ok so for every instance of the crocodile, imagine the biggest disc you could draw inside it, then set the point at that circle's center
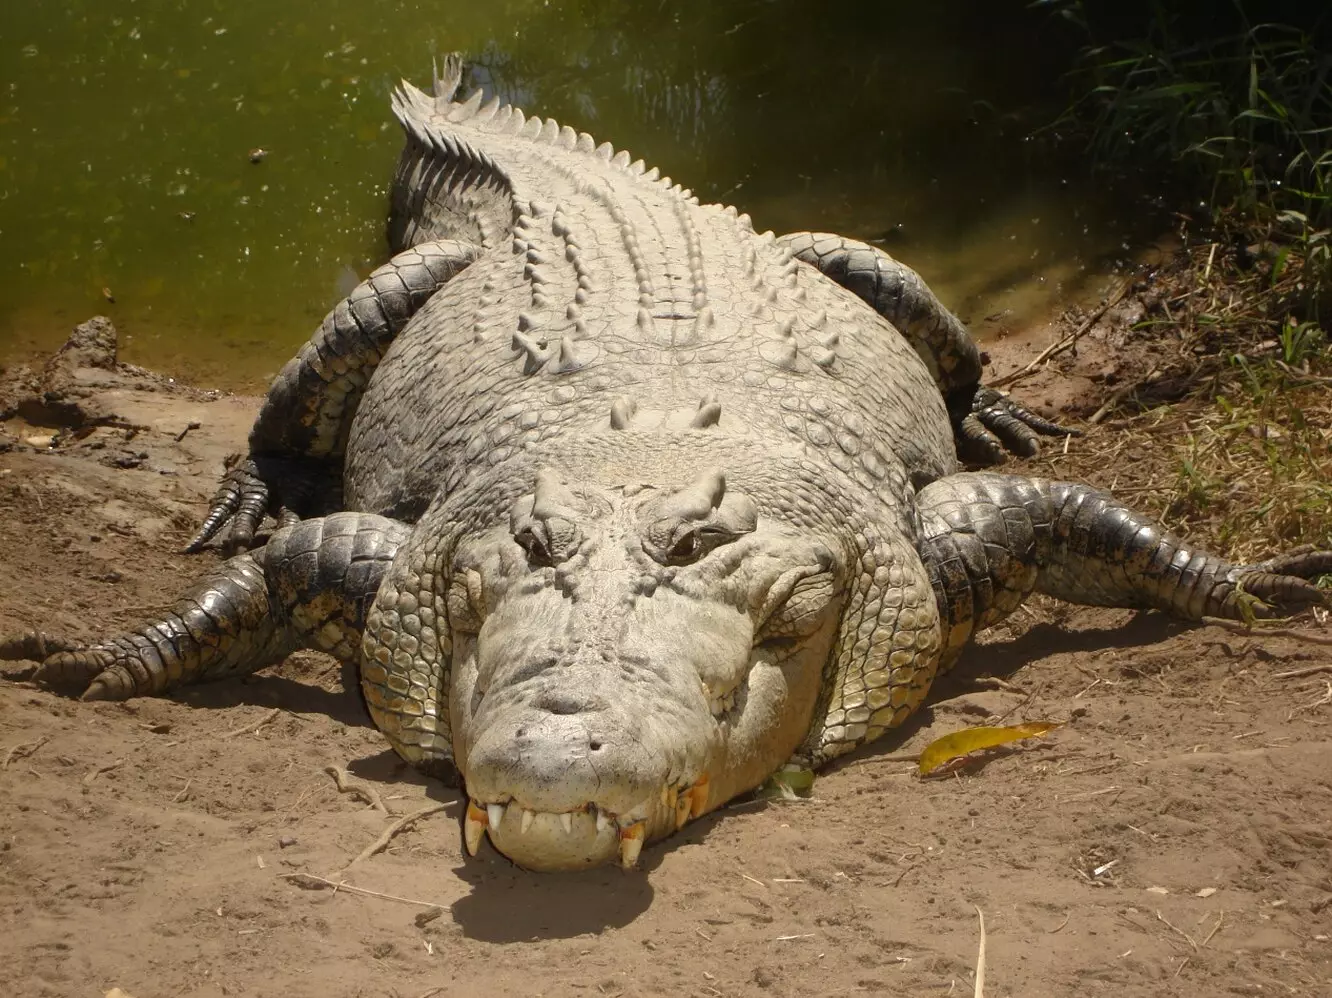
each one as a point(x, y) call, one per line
point(619, 507)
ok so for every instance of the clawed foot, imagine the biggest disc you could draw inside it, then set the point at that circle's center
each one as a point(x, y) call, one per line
point(241, 502)
point(1282, 586)
point(286, 488)
point(100, 672)
point(988, 425)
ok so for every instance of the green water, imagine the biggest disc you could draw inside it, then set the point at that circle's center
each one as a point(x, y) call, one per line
point(126, 128)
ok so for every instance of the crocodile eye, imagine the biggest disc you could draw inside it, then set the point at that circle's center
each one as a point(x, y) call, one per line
point(685, 549)
point(532, 541)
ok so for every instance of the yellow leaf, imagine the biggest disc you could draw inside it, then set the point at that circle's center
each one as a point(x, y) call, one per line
point(969, 740)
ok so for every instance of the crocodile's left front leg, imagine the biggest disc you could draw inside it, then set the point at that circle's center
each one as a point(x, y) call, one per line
point(989, 541)
point(309, 587)
point(985, 422)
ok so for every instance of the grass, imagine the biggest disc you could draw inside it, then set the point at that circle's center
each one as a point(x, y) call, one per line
point(1233, 109)
point(1231, 438)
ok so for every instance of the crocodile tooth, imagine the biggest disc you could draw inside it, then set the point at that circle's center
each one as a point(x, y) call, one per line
point(672, 795)
point(566, 822)
point(526, 821)
point(631, 843)
point(698, 796)
point(474, 826)
point(603, 819)
point(683, 808)
point(494, 814)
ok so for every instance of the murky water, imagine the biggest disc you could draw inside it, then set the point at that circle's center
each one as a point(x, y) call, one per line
point(126, 128)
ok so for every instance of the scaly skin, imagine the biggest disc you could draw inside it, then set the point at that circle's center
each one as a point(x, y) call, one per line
point(651, 504)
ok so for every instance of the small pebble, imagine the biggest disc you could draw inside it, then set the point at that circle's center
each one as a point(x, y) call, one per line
point(285, 841)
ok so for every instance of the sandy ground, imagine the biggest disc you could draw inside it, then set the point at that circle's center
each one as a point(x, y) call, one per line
point(1173, 838)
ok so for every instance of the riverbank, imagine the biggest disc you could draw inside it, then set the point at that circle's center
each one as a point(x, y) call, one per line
point(1171, 838)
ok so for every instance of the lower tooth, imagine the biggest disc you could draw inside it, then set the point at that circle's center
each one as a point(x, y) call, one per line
point(474, 826)
point(631, 844)
point(566, 822)
point(682, 809)
point(603, 819)
point(494, 815)
point(525, 822)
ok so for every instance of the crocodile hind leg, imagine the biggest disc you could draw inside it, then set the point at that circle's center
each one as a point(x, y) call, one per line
point(985, 422)
point(299, 435)
point(309, 587)
point(990, 540)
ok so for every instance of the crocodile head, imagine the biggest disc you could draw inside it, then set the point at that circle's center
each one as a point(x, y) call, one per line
point(617, 660)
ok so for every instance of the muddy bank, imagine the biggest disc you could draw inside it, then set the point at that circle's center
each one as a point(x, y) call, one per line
point(1172, 838)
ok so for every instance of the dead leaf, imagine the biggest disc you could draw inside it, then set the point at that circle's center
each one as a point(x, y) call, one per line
point(968, 740)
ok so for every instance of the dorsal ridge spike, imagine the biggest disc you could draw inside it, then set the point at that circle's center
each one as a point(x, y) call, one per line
point(467, 110)
point(621, 159)
point(605, 151)
point(708, 415)
point(622, 411)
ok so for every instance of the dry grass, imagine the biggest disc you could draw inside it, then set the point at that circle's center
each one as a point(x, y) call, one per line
point(1229, 437)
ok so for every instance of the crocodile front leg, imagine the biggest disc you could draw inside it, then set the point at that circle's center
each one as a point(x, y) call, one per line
point(985, 422)
point(309, 587)
point(299, 435)
point(991, 540)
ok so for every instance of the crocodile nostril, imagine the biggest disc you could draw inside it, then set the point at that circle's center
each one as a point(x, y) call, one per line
point(594, 746)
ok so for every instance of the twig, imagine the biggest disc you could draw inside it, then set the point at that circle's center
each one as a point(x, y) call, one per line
point(386, 836)
point(183, 791)
point(22, 751)
point(191, 425)
point(1215, 929)
point(1051, 932)
point(1180, 932)
point(256, 725)
point(1067, 342)
point(309, 882)
point(1312, 670)
point(1121, 393)
point(980, 957)
point(367, 794)
point(1239, 627)
point(87, 780)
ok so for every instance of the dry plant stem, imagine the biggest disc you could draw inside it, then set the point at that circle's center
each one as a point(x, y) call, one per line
point(980, 957)
point(1120, 394)
point(24, 750)
point(1239, 627)
point(367, 794)
point(387, 835)
point(88, 780)
point(310, 882)
point(1067, 342)
point(256, 725)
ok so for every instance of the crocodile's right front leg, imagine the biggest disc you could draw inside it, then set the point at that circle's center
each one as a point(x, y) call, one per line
point(302, 428)
point(309, 587)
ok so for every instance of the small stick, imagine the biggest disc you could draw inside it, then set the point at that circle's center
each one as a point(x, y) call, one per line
point(1312, 670)
point(1239, 627)
point(1180, 932)
point(24, 750)
point(183, 791)
point(1120, 394)
point(1065, 343)
point(980, 957)
point(310, 882)
point(387, 835)
point(1051, 932)
point(367, 794)
point(87, 780)
point(1215, 928)
point(256, 725)
point(191, 425)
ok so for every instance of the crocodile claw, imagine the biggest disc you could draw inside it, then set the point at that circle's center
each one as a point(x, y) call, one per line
point(241, 500)
point(1286, 584)
point(988, 425)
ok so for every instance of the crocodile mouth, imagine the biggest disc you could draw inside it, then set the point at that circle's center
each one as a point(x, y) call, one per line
point(585, 836)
